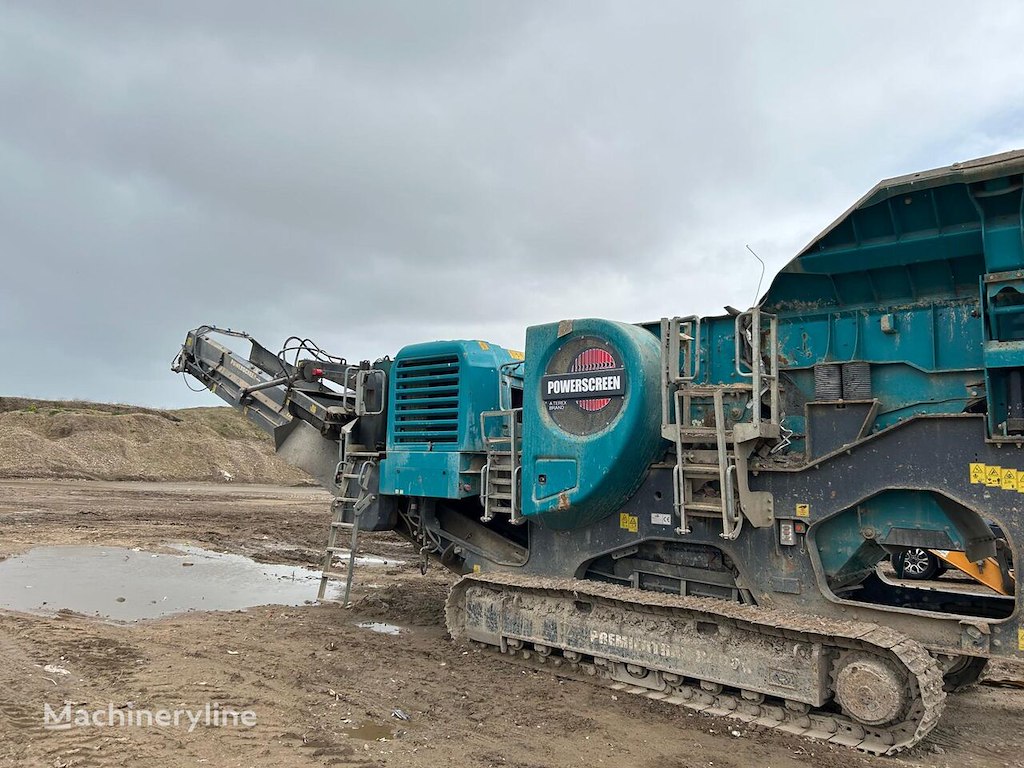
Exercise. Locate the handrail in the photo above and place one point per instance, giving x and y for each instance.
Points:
(485, 472)
(360, 393)
(732, 520)
(737, 339)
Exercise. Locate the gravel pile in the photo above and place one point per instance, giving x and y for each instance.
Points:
(113, 442)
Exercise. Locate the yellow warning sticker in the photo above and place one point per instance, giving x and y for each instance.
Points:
(515, 354)
(1004, 478)
(1020, 639)
(484, 345)
(476, 567)
(628, 522)
(803, 510)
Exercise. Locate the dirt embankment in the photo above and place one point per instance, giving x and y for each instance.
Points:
(95, 441)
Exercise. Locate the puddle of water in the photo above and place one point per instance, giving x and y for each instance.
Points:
(127, 585)
(381, 627)
(370, 732)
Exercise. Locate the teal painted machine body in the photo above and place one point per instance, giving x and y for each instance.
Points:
(922, 283)
(436, 393)
(899, 282)
(922, 280)
(576, 473)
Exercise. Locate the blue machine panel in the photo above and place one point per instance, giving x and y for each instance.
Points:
(436, 393)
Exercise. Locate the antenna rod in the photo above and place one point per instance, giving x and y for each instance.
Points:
(761, 278)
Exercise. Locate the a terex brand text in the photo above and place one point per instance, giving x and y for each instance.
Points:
(576, 386)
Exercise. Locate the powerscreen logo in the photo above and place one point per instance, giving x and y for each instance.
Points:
(584, 385)
(593, 372)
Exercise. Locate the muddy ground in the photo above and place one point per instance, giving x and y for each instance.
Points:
(323, 689)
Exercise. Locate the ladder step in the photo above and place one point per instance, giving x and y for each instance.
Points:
(701, 470)
(702, 434)
(702, 506)
(332, 575)
(699, 456)
(692, 430)
(708, 390)
(342, 525)
(335, 550)
(500, 496)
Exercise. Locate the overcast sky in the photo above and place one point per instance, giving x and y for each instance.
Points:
(375, 174)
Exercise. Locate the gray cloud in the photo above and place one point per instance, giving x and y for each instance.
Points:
(375, 174)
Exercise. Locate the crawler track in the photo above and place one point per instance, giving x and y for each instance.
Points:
(731, 667)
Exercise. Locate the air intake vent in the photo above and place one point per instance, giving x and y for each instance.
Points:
(828, 382)
(857, 381)
(427, 400)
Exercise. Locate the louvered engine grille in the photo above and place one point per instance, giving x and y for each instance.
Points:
(427, 400)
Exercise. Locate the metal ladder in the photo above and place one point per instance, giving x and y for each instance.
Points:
(500, 475)
(353, 479)
(696, 464)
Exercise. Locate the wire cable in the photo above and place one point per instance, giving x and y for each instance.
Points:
(757, 293)
(201, 389)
